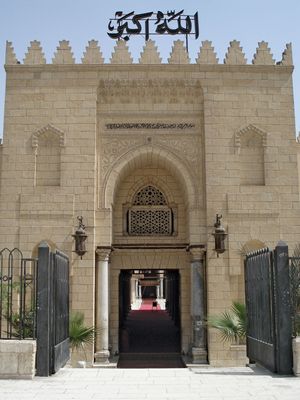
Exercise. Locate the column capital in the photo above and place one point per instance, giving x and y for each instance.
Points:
(197, 252)
(103, 252)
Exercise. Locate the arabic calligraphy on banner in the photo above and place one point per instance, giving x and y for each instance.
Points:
(150, 23)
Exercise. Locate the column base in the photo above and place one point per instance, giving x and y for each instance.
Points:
(101, 357)
(199, 355)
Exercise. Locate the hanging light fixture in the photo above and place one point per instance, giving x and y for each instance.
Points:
(80, 237)
(219, 235)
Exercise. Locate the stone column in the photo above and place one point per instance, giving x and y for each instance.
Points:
(132, 290)
(102, 308)
(140, 291)
(198, 305)
(137, 289)
(161, 288)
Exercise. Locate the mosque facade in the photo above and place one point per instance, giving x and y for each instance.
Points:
(148, 154)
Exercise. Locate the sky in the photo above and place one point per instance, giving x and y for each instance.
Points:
(49, 21)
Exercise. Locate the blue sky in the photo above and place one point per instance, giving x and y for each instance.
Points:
(275, 21)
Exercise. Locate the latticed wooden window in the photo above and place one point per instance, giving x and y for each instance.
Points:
(150, 214)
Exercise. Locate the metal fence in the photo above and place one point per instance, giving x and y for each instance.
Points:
(17, 295)
(294, 269)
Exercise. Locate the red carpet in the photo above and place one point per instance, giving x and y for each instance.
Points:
(149, 305)
(149, 339)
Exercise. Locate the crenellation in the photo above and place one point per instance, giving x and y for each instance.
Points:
(63, 54)
(150, 54)
(121, 54)
(287, 55)
(92, 55)
(179, 54)
(207, 54)
(34, 55)
(10, 56)
(263, 55)
(235, 55)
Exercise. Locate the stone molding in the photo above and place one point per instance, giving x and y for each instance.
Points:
(247, 129)
(48, 129)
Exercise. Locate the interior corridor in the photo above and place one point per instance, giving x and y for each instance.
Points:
(150, 329)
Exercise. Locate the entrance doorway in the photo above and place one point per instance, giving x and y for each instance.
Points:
(149, 319)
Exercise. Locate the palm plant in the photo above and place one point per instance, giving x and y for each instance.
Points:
(231, 324)
(79, 334)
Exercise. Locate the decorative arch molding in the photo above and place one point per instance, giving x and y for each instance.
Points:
(246, 130)
(147, 155)
(48, 129)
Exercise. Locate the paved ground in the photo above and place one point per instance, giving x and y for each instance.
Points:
(156, 384)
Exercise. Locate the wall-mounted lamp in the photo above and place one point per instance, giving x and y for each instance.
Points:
(219, 235)
(80, 238)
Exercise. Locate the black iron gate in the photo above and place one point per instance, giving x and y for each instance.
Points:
(269, 331)
(17, 295)
(52, 311)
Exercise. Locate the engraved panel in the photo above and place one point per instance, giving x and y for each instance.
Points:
(149, 125)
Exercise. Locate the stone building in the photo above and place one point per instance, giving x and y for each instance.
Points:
(148, 153)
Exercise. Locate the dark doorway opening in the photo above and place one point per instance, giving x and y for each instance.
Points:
(149, 319)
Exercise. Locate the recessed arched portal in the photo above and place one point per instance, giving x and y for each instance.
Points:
(152, 185)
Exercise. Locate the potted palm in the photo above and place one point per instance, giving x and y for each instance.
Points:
(232, 326)
(80, 335)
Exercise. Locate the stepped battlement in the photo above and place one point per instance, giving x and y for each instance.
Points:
(149, 55)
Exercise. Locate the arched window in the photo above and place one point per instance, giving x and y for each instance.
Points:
(149, 214)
